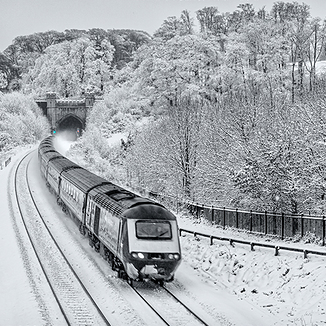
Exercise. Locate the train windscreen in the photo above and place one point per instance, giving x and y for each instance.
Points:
(153, 230)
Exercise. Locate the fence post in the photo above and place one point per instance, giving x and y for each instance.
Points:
(324, 231)
(236, 218)
(301, 229)
(282, 227)
(206, 217)
(223, 217)
(212, 215)
(265, 225)
(250, 227)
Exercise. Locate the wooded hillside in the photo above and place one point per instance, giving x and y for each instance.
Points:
(228, 113)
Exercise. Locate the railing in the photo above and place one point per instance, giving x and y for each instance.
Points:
(252, 244)
(5, 163)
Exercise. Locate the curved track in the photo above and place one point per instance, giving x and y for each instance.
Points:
(74, 300)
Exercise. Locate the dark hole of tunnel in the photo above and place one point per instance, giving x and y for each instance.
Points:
(69, 128)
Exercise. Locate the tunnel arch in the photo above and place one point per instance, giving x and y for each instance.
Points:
(70, 125)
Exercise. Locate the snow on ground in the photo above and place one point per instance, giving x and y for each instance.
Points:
(291, 288)
(321, 67)
(15, 285)
(249, 287)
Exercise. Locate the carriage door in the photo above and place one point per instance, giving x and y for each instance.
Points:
(97, 220)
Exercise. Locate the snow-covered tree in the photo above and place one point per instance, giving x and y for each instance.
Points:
(70, 68)
(21, 121)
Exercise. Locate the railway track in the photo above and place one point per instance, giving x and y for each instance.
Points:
(168, 307)
(74, 300)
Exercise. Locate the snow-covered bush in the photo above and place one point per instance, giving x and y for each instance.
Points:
(21, 121)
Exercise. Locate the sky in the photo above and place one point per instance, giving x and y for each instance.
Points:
(24, 17)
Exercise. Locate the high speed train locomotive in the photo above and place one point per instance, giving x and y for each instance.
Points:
(137, 236)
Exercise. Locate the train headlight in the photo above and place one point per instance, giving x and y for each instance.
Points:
(174, 256)
(138, 255)
(141, 255)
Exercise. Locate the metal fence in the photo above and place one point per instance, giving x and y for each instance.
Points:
(282, 225)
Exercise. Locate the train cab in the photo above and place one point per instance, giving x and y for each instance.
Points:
(151, 248)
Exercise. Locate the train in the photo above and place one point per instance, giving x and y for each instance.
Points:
(138, 236)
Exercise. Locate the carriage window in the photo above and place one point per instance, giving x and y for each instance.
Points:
(153, 230)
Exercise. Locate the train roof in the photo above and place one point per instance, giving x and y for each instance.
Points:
(119, 200)
(46, 149)
(61, 164)
(83, 179)
(47, 141)
(149, 212)
(51, 154)
(46, 144)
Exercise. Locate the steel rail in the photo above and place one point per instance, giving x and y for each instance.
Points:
(31, 241)
(146, 301)
(185, 306)
(175, 298)
(64, 256)
(61, 252)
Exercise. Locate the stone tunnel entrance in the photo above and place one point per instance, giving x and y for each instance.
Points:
(70, 127)
(67, 115)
